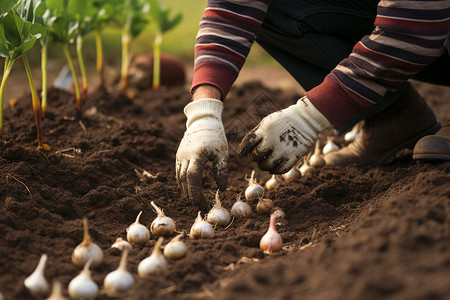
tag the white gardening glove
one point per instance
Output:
(203, 141)
(283, 137)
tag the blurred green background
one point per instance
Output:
(180, 41)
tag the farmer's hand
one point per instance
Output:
(283, 137)
(203, 141)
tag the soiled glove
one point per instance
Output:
(283, 137)
(203, 141)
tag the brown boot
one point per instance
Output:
(384, 134)
(434, 147)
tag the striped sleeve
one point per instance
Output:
(408, 36)
(226, 33)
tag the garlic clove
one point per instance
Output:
(352, 134)
(176, 248)
(155, 263)
(57, 293)
(119, 280)
(36, 282)
(330, 146)
(201, 229)
(82, 286)
(271, 241)
(254, 190)
(278, 213)
(272, 183)
(122, 245)
(264, 205)
(316, 160)
(218, 215)
(86, 250)
(292, 174)
(240, 209)
(162, 225)
(306, 169)
(137, 233)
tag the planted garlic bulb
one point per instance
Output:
(176, 248)
(162, 225)
(56, 292)
(271, 241)
(278, 213)
(138, 234)
(119, 280)
(316, 160)
(201, 229)
(306, 169)
(122, 245)
(86, 250)
(36, 282)
(330, 146)
(82, 286)
(352, 134)
(273, 182)
(264, 205)
(240, 209)
(218, 215)
(254, 190)
(155, 263)
(292, 174)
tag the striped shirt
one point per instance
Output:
(407, 36)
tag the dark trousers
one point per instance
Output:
(310, 37)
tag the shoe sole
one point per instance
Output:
(431, 156)
(408, 144)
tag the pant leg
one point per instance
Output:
(310, 37)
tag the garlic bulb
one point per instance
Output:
(292, 174)
(138, 234)
(218, 215)
(254, 190)
(86, 250)
(271, 241)
(264, 205)
(56, 292)
(162, 225)
(273, 182)
(82, 286)
(122, 245)
(352, 134)
(240, 209)
(36, 282)
(119, 280)
(201, 229)
(306, 169)
(316, 160)
(278, 213)
(330, 146)
(176, 248)
(155, 263)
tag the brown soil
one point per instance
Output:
(348, 233)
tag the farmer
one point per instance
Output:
(354, 59)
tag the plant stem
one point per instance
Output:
(99, 50)
(44, 79)
(36, 102)
(7, 70)
(82, 67)
(125, 59)
(74, 75)
(157, 61)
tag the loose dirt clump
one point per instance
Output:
(349, 233)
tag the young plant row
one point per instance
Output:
(67, 22)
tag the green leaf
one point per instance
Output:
(7, 5)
